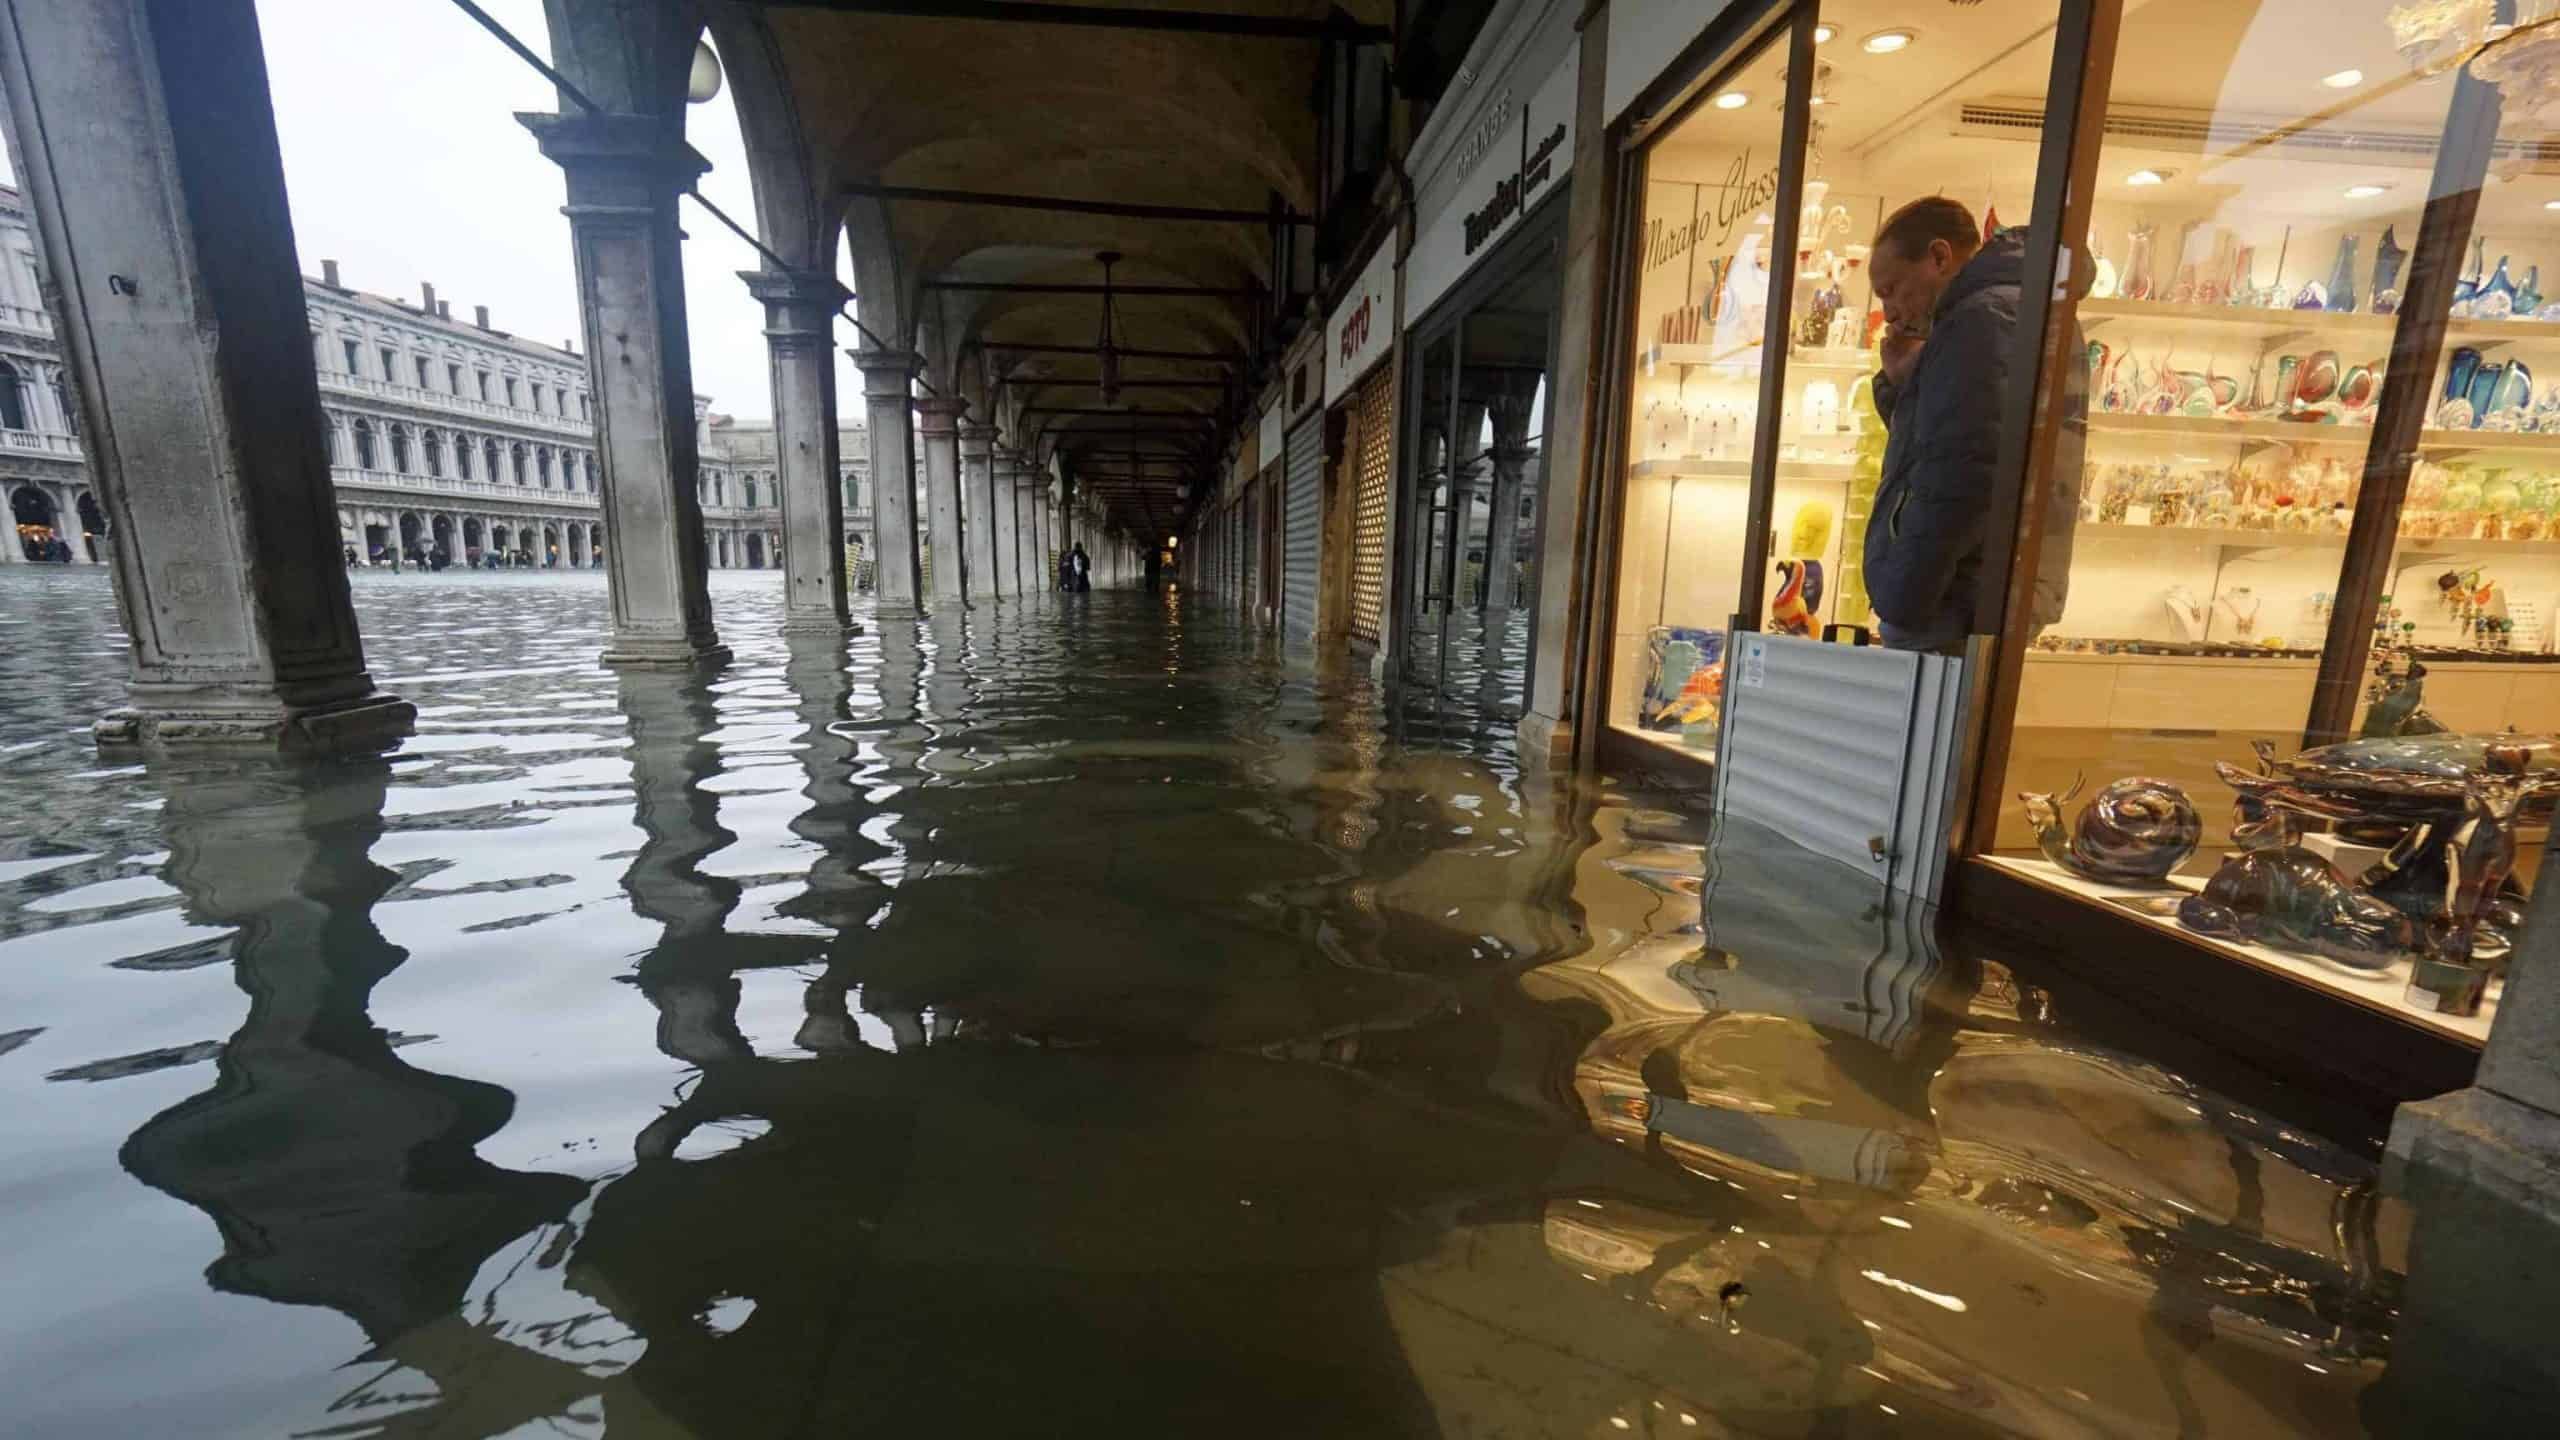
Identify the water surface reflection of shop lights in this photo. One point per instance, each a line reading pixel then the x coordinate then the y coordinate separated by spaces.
pixel 1943 1302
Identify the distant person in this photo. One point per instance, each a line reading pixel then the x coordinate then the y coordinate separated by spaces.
pixel 1155 570
pixel 1083 566
pixel 1950 302
pixel 1067 571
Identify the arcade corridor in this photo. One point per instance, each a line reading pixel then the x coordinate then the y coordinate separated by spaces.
pixel 1089 1011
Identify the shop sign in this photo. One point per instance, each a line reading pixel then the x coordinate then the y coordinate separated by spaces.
pixel 1363 327
pixel 1275 425
pixel 1531 154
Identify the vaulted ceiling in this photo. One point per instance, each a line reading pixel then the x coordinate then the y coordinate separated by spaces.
pixel 1159 109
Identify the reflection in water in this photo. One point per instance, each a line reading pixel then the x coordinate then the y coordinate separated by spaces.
pixel 1075 1011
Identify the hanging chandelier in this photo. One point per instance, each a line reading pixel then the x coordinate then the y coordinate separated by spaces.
pixel 1109 347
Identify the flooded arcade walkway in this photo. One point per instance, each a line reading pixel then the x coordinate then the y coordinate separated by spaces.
pixel 1080 1019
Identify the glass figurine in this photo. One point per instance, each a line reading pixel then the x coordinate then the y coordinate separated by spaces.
pixel 2342 276
pixel 2388 257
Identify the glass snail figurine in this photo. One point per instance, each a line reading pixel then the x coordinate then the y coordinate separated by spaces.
pixel 2133 832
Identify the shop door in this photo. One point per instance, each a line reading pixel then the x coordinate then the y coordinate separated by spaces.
pixel 1479 434
pixel 1373 472
pixel 1306 470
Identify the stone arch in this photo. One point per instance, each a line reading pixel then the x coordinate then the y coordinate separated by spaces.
pixel 516 458
pixel 440 530
pixel 475 537
pixel 412 534
pixel 549 554
pixel 755 549
pixel 367 450
pixel 400 448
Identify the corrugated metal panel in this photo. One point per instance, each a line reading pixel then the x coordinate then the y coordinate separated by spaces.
pixel 1814 739
pixel 1376 420
pixel 1845 750
pixel 1249 548
pixel 1306 495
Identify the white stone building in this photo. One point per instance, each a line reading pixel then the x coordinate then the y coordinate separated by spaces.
pixel 444 437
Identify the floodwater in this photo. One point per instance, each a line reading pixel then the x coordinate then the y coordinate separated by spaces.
pixel 1080 1019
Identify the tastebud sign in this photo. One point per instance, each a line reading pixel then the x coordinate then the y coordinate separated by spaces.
pixel 1488 198
pixel 1360 330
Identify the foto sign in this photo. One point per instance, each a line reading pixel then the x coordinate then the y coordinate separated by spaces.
pixel 1362 328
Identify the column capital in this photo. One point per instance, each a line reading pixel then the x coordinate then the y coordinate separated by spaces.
pixel 796 287
pixel 887 374
pixel 641 154
pixel 977 438
pixel 941 414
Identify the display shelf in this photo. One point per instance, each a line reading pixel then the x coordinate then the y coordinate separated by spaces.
pixel 2499 332
pixel 2218 428
pixel 2378 991
pixel 1830 472
pixel 1745 359
pixel 2501 441
pixel 2234 319
pixel 2218 539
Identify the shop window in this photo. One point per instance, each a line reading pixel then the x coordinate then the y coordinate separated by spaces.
pixel 2241 526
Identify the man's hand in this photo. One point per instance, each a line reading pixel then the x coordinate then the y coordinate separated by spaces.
pixel 1901 351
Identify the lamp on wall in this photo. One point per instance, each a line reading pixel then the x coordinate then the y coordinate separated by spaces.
pixel 1108 347
pixel 703 81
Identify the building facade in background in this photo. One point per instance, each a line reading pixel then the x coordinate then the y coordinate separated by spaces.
pixel 449 441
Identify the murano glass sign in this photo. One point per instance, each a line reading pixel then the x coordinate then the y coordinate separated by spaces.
pixel 1736 198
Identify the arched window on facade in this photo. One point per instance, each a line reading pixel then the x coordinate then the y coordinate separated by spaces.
pixel 591 474
pixel 462 455
pixel 517 457
pixel 434 444
pixel 400 449
pixel 542 467
pixel 329 436
pixel 364 445
pixel 13 398
pixel 489 458
pixel 719 490
pixel 69 402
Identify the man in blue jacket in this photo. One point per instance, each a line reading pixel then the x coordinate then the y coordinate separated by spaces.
pixel 1951 309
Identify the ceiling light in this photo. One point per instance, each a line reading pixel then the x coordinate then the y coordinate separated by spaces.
pixel 2146 177
pixel 2551 204
pixel 2343 80
pixel 1732 100
pixel 2365 192
pixel 1817 100
pixel 1822 34
pixel 1885 42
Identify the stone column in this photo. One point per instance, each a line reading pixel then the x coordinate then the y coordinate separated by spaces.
pixel 143 136
pixel 977 507
pixel 1006 477
pixel 799 308
pixel 2502 1136
pixel 939 429
pixel 625 173
pixel 888 377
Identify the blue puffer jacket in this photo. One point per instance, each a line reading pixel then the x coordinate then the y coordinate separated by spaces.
pixel 1924 542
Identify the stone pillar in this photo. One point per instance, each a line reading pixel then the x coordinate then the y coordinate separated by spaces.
pixel 624 174
pixel 888 378
pixel 940 431
pixel 977 508
pixel 143 136
pixel 1006 477
pixel 799 308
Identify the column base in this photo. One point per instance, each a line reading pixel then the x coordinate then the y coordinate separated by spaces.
pixel 900 611
pixel 1544 740
pixel 2481 1138
pixel 373 721
pixel 820 625
pixel 649 652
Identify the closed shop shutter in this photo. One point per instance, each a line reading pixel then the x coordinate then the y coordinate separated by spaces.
pixel 1369 532
pixel 1249 546
pixel 1306 485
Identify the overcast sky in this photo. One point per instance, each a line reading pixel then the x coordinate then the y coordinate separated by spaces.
pixel 404 163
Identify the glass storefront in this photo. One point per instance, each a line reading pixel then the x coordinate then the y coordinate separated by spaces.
pixel 1753 446
pixel 2277 475
pixel 1476 428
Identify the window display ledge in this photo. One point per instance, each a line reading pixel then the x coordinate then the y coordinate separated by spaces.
pixel 2379 991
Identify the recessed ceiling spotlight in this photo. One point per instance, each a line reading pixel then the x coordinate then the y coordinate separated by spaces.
pixel 2551 204
pixel 2365 192
pixel 1732 100
pixel 2343 80
pixel 2148 177
pixel 1885 42
pixel 1822 34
